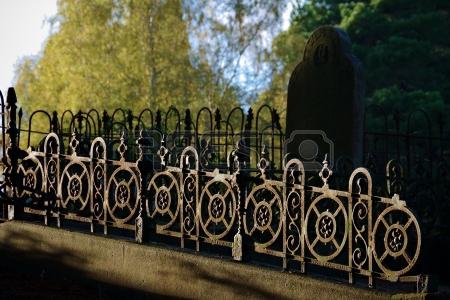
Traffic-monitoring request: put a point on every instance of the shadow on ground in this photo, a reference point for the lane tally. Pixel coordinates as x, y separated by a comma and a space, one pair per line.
38, 274
47, 271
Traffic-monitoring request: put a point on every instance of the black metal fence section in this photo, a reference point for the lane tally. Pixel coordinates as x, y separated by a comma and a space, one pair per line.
207, 131
409, 138
249, 213
410, 153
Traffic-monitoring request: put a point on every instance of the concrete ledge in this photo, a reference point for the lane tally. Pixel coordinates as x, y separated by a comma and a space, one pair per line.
164, 271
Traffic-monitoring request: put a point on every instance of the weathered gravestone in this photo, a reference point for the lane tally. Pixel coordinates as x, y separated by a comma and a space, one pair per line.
325, 108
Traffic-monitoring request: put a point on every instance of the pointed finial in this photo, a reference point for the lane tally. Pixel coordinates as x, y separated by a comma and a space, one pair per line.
206, 154
74, 141
248, 125
264, 162
122, 147
105, 120
158, 120
188, 120
163, 151
217, 118
54, 122
11, 97
12, 130
130, 119
276, 119
325, 172
233, 160
140, 142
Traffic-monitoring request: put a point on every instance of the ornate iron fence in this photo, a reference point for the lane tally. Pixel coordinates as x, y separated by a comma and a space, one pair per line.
239, 210
206, 130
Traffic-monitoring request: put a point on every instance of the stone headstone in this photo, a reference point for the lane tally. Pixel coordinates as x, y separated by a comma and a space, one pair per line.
325, 109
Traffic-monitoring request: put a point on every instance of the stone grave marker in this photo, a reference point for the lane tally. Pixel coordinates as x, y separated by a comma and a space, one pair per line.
325, 109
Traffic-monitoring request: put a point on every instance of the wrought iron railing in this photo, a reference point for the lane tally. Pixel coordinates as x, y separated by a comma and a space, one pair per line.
353, 230
204, 129
239, 210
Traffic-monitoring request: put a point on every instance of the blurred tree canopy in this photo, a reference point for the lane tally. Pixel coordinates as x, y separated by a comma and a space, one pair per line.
109, 54
402, 44
138, 54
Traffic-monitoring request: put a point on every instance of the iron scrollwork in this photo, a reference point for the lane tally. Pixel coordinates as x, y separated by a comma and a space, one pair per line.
350, 230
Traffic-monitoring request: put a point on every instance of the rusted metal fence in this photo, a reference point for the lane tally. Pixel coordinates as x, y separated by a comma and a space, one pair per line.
186, 194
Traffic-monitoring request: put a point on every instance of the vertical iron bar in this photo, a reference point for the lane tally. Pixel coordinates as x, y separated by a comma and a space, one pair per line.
12, 150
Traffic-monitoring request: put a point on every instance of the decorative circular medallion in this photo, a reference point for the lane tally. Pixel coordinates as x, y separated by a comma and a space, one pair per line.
218, 204
263, 216
122, 194
326, 227
327, 213
216, 208
163, 200
396, 240
30, 180
74, 187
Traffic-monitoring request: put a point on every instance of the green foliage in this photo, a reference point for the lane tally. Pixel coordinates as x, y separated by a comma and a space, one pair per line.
154, 53
234, 37
408, 105
287, 53
107, 54
403, 46
137, 54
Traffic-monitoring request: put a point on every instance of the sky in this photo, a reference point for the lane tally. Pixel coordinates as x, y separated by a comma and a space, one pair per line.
23, 31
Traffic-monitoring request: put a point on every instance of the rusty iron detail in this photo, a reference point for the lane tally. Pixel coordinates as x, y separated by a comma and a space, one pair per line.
167, 191
350, 230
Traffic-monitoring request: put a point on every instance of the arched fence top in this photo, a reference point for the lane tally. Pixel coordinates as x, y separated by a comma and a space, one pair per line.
141, 123
360, 182
209, 116
173, 111
424, 114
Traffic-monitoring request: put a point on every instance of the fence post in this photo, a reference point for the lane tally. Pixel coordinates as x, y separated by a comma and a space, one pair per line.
2, 102
130, 121
12, 151
236, 165
247, 138
54, 122
188, 127
158, 125
144, 167
19, 122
